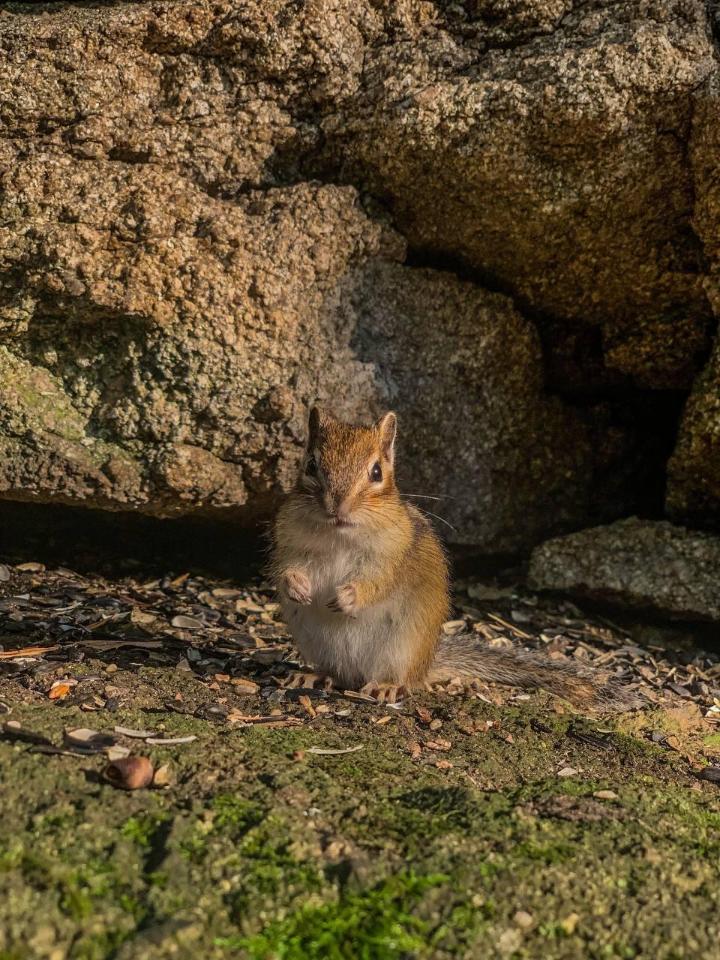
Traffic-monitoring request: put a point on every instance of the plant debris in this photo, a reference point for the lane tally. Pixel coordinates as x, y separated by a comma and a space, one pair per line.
60, 630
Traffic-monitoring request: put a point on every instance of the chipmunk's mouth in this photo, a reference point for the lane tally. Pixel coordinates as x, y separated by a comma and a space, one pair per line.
342, 524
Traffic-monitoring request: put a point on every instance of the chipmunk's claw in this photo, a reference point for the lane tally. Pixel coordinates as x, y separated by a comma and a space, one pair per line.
384, 692
308, 681
345, 600
298, 587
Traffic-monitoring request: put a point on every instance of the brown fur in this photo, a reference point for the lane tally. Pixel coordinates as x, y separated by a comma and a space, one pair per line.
363, 579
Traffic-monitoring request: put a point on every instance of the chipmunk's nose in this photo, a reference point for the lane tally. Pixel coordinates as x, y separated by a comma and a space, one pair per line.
337, 508
343, 512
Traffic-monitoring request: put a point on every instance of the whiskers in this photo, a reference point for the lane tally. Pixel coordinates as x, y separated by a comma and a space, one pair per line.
426, 496
441, 519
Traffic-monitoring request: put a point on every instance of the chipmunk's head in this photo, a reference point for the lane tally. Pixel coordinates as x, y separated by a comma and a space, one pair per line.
348, 472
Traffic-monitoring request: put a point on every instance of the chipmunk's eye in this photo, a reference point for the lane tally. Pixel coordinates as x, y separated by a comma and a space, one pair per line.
376, 473
311, 467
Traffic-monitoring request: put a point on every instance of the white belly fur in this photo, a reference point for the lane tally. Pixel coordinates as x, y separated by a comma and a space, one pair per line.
354, 650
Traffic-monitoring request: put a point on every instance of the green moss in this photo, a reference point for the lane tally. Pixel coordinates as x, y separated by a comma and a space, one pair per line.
251, 853
375, 924
142, 829
235, 815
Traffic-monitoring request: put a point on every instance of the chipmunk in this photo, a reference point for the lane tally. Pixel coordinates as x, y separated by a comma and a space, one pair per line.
363, 580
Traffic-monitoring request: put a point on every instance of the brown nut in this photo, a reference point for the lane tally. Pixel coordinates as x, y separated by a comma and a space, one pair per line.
129, 773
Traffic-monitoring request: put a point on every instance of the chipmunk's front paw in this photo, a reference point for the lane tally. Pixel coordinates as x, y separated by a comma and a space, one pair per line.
345, 600
298, 586
385, 692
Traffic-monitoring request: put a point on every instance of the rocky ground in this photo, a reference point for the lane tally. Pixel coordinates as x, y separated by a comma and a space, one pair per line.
463, 822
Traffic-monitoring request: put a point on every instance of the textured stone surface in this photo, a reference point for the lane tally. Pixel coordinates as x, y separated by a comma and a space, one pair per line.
163, 355
694, 470
638, 563
205, 212
163, 344
544, 144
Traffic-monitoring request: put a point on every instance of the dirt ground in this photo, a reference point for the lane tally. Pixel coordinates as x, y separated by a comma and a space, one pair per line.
465, 822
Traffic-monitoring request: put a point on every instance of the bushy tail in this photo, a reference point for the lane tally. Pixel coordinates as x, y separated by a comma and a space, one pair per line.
467, 658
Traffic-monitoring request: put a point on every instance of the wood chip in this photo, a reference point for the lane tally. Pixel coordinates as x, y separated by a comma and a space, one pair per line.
135, 734
710, 773
169, 741
26, 652
330, 752
510, 626
15, 731
244, 686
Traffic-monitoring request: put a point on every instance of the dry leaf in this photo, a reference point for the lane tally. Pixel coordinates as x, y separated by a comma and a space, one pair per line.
61, 688
186, 623
414, 749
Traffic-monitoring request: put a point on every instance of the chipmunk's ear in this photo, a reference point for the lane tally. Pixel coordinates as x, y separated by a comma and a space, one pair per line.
387, 428
318, 418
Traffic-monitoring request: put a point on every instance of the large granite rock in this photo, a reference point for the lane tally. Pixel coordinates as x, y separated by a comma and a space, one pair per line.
638, 563
163, 347
205, 213
544, 144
